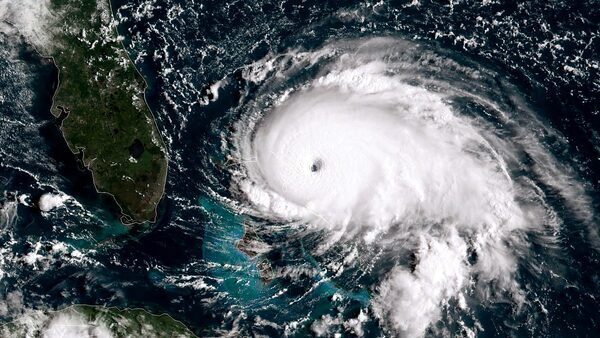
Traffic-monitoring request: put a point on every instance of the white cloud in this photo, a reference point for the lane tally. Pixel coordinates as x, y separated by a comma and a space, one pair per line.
28, 18
72, 325
67, 323
50, 201
410, 301
8, 213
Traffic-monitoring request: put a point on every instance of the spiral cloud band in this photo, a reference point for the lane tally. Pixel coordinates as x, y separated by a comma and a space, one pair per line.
373, 149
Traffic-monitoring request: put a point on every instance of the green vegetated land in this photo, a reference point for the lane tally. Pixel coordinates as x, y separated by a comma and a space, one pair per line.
92, 321
107, 120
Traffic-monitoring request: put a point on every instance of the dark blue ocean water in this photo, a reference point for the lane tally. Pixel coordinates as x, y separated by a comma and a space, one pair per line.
187, 264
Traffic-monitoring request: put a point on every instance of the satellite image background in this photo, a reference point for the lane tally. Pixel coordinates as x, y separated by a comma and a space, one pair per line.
392, 168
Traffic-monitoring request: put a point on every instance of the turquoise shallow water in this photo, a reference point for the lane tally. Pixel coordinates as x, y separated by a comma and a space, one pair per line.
240, 278
241, 282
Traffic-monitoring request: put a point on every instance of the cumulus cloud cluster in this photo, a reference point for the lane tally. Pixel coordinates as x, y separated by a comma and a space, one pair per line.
63, 324
72, 325
30, 19
50, 201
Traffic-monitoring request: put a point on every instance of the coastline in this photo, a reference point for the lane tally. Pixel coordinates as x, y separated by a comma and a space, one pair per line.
100, 309
125, 218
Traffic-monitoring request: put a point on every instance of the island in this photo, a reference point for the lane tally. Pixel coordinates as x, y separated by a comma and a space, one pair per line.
95, 321
104, 116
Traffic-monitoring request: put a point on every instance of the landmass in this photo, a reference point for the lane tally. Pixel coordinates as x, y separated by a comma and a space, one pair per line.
95, 321
252, 245
100, 97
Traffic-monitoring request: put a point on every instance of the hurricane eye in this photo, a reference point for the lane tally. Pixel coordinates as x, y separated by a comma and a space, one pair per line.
316, 165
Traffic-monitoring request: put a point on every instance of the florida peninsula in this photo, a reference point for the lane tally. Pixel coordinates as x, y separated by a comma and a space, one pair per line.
100, 95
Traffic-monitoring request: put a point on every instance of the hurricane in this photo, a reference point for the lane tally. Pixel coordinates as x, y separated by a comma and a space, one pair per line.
407, 153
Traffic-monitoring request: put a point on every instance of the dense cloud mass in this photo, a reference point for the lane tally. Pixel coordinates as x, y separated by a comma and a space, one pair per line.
363, 154
29, 18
